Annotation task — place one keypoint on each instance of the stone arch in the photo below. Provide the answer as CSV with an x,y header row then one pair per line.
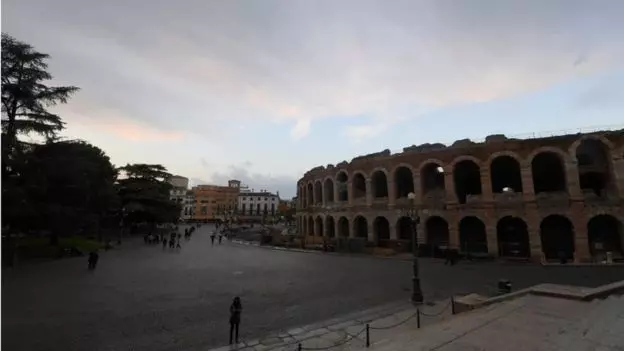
x,y
342,180
506,173
310,193
343,227
403,180
605,234
472,236
463,158
467,178
557,236
359,185
437,235
572,150
318,226
318,192
513,237
330,227
360,227
548,172
310,225
381,230
594,165
328,190
432,177
379,183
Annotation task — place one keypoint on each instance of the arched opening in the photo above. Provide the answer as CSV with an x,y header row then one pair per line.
x,y
472,236
513,237
381,228
318,230
557,235
605,234
548,173
404,181
310,194
343,227
594,166
437,236
359,186
379,184
310,226
318,193
360,226
432,178
467,179
329,190
341,182
505,175
330,227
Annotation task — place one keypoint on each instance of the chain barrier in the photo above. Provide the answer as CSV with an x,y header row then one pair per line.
x,y
368,327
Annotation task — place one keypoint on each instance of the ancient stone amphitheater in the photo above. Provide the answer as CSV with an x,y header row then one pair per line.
x,y
539,198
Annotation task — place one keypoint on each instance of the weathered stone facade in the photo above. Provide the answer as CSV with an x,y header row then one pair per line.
x,y
507,197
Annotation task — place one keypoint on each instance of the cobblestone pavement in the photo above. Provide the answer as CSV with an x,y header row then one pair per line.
x,y
147,298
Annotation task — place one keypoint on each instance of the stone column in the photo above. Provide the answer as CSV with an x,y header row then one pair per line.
x,y
350,192
581,239
453,234
371,229
392,191
486,184
336,185
618,172
572,179
449,186
491,233
393,228
528,192
369,192
535,239
418,189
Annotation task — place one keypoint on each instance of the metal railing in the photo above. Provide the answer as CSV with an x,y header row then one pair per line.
x,y
369,326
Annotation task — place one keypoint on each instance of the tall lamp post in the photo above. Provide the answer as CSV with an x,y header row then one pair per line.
x,y
412,213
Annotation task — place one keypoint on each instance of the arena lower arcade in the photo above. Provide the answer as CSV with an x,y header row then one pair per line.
x,y
538,199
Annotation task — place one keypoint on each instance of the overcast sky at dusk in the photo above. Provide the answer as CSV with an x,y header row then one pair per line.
x,y
264,90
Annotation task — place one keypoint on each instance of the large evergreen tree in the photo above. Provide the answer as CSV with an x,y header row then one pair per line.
x,y
144,190
26,97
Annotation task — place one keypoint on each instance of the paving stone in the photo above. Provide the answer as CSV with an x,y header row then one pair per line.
x,y
312,333
295,331
342,325
270,341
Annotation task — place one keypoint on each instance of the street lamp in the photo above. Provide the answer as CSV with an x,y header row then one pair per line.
x,y
412,213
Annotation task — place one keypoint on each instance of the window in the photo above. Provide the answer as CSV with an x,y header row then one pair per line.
x,y
243,208
203,210
266,198
244,198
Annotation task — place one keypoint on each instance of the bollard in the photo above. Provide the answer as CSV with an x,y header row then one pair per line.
x,y
418,318
299,347
367,335
452,305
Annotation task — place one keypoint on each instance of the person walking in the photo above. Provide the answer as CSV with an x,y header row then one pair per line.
x,y
93,259
220,237
212,238
235,316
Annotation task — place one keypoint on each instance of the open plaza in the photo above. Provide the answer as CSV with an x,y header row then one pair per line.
x,y
144,297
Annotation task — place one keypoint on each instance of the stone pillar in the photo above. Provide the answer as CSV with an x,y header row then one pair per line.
x,y
336,185
528,191
486,184
449,186
393,229
453,234
371,229
535,239
572,179
350,192
581,239
491,233
392,191
418,189
369,192
618,172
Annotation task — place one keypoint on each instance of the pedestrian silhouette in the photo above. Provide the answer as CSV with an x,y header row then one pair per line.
x,y
235,317
220,238
93,259
212,238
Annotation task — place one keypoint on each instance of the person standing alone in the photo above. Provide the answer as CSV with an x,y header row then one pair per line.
x,y
235,316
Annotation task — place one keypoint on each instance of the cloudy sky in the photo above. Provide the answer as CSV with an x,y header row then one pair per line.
x,y
262,90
